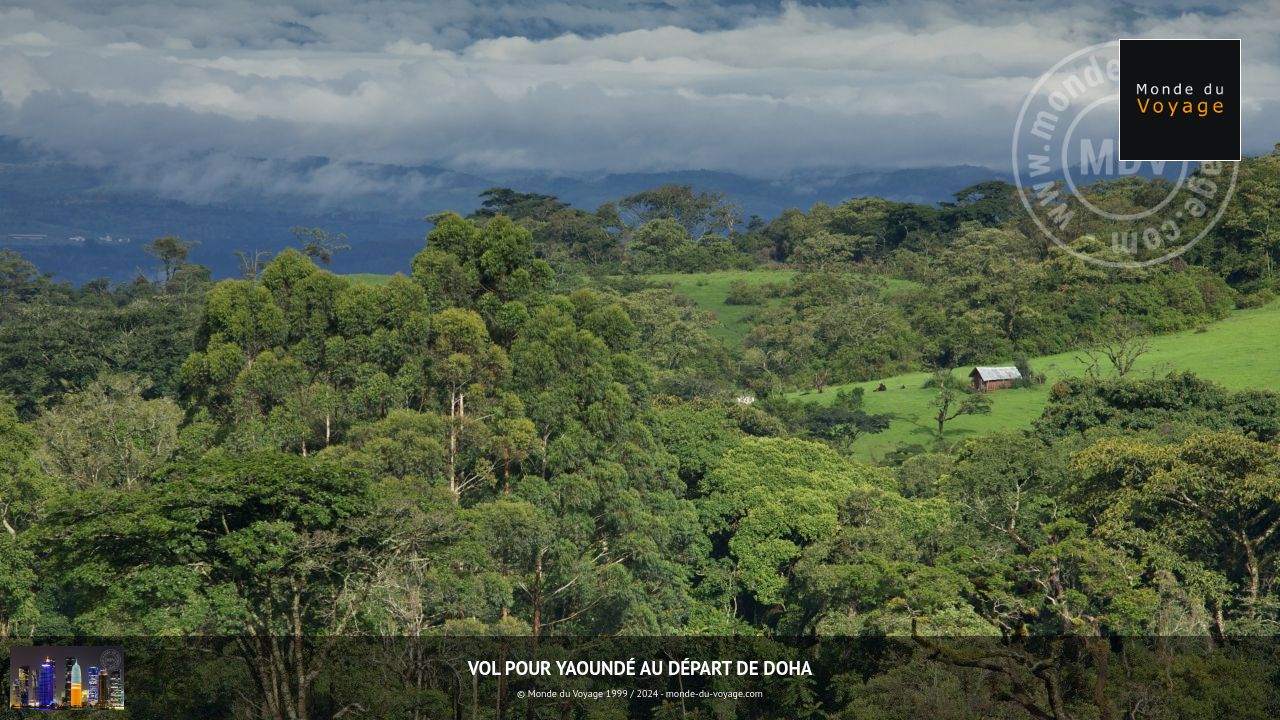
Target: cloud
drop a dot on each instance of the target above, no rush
(756, 88)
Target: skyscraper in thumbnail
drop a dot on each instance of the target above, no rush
(104, 681)
(48, 681)
(116, 699)
(20, 691)
(77, 685)
(91, 687)
(66, 684)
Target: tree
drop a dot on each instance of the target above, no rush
(655, 244)
(466, 363)
(251, 263)
(769, 498)
(844, 421)
(517, 205)
(171, 251)
(19, 279)
(406, 444)
(879, 570)
(605, 541)
(465, 265)
(269, 548)
(673, 335)
(18, 587)
(22, 486)
(1245, 245)
(824, 251)
(579, 235)
(1049, 587)
(952, 402)
(23, 493)
(51, 345)
(244, 313)
(698, 212)
(785, 233)
(987, 202)
(1177, 400)
(1122, 342)
(318, 244)
(108, 435)
(1212, 502)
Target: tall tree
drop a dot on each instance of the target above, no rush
(1212, 501)
(108, 434)
(517, 205)
(698, 212)
(769, 498)
(467, 365)
(268, 548)
(954, 400)
(318, 244)
(24, 490)
(171, 251)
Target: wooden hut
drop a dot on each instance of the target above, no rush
(986, 379)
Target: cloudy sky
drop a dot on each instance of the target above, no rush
(760, 88)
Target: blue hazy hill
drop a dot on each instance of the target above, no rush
(250, 204)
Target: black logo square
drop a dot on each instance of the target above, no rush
(1179, 100)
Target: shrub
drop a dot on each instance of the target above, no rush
(1255, 299)
(743, 293)
(1030, 378)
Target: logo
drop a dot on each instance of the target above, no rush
(1087, 201)
(1180, 99)
(111, 660)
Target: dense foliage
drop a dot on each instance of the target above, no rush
(495, 445)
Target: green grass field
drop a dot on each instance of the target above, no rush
(1238, 352)
(709, 290)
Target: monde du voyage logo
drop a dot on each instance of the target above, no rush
(1165, 110)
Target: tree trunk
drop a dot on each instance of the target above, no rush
(1219, 633)
(457, 414)
(536, 599)
(1100, 648)
(1251, 567)
(300, 711)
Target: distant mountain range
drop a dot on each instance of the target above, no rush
(82, 221)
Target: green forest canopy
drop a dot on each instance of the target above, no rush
(526, 435)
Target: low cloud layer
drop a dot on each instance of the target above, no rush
(754, 88)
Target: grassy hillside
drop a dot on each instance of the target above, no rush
(1238, 352)
(709, 290)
